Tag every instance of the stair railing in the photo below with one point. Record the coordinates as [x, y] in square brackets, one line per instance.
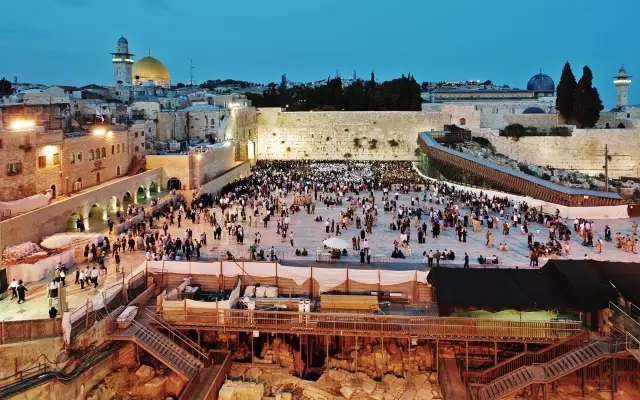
[201, 353]
[527, 358]
[160, 339]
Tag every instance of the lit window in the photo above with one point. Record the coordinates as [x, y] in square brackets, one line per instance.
[90, 155]
[56, 159]
[79, 157]
[104, 153]
[72, 158]
[97, 154]
[113, 149]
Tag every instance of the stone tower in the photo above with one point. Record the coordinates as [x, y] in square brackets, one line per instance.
[622, 82]
[122, 63]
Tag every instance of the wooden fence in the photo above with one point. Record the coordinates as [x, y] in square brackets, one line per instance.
[20, 331]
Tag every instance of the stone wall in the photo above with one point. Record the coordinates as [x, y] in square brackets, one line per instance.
[45, 221]
[193, 169]
[534, 119]
[15, 357]
[343, 134]
[583, 151]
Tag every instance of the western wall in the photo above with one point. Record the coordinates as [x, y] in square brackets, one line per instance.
[348, 135]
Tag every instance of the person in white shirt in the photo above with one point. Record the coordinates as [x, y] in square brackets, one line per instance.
[53, 289]
[63, 276]
[13, 286]
[94, 277]
[82, 278]
[148, 255]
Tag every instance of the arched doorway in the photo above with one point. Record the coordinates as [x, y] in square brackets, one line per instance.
[53, 191]
[118, 171]
[98, 177]
[96, 219]
[126, 200]
[141, 194]
[72, 222]
[174, 183]
[153, 188]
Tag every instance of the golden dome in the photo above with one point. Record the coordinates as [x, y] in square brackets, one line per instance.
[150, 68]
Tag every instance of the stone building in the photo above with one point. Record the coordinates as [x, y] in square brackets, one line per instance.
[36, 160]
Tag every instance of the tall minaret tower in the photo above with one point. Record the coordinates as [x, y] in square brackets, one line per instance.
[622, 82]
[122, 63]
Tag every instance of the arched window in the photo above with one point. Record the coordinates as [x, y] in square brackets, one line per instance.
[98, 177]
[72, 157]
[90, 155]
[118, 148]
[118, 171]
[97, 154]
[104, 153]
[113, 149]
[79, 157]
[463, 121]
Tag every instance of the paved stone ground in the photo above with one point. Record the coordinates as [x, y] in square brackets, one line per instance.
[310, 234]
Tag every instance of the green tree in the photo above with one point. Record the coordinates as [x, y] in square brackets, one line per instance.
[565, 92]
[586, 101]
[5, 87]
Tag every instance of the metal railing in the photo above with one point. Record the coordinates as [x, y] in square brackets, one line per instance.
[160, 339]
[527, 358]
[200, 353]
[384, 325]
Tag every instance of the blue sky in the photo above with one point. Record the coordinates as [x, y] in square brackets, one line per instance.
[507, 41]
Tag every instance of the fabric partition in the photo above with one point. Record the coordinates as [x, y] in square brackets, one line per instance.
[396, 277]
[41, 269]
[329, 277]
[208, 305]
[260, 269]
[197, 268]
[230, 268]
[155, 266]
[298, 274]
[27, 204]
[364, 276]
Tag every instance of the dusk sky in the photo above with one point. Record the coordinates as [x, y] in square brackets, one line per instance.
[69, 41]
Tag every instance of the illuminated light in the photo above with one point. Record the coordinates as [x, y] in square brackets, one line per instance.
[227, 144]
[199, 157]
[99, 132]
[49, 150]
[110, 134]
[22, 124]
[116, 59]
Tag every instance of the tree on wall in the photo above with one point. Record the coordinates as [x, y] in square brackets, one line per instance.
[586, 101]
[565, 91]
[5, 87]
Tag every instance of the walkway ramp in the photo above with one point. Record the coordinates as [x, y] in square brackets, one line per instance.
[627, 322]
[547, 372]
[161, 347]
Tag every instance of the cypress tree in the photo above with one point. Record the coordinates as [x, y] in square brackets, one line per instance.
[586, 101]
[565, 90]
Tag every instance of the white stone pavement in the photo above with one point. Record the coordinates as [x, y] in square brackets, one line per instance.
[310, 234]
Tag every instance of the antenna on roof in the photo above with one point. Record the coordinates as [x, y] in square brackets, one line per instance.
[149, 52]
[190, 71]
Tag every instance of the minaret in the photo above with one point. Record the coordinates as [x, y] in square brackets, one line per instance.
[622, 82]
[122, 63]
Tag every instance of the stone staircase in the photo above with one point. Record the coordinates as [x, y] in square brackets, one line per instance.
[547, 372]
[161, 347]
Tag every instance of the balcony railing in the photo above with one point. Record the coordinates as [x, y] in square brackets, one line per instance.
[374, 325]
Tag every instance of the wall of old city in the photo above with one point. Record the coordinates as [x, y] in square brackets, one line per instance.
[583, 151]
[192, 170]
[33, 226]
[343, 134]
[242, 128]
